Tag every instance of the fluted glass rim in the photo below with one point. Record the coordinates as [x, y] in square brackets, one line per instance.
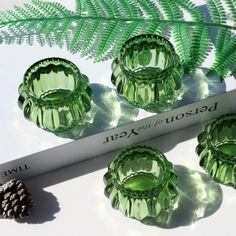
[142, 38]
[82, 81]
[157, 155]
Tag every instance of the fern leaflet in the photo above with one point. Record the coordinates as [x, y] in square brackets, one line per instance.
[182, 39]
[217, 11]
[232, 6]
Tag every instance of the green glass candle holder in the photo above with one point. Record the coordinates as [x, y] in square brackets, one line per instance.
[148, 71]
[217, 149]
[140, 182]
[55, 95]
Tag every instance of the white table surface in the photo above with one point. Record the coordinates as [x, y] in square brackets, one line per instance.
[71, 200]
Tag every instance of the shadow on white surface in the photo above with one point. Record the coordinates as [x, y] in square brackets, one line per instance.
[199, 86]
[195, 87]
[164, 143]
[168, 141]
[108, 110]
[199, 197]
[45, 205]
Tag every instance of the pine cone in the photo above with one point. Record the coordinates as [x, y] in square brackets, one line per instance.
[15, 200]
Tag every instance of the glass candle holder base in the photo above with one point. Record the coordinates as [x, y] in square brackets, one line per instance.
[148, 71]
[55, 95]
[140, 182]
[217, 149]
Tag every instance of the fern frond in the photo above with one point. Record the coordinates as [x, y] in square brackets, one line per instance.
[15, 35]
[227, 65]
[45, 8]
[100, 9]
[23, 13]
[135, 28]
[232, 6]
[78, 7]
[171, 10]
[128, 7]
[33, 12]
[182, 41]
[60, 10]
[44, 40]
[225, 52]
[98, 28]
[191, 9]
[217, 11]
[199, 46]
[63, 30]
[88, 9]
[108, 6]
[148, 10]
[47, 27]
[111, 32]
[222, 40]
[90, 38]
[78, 32]
[132, 29]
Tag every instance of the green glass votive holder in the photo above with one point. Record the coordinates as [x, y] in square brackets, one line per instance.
[140, 182]
[55, 95]
[148, 71]
[217, 149]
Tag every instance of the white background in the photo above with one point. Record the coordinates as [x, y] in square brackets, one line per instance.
[71, 200]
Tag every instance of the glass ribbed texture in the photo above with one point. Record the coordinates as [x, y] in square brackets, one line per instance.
[217, 149]
[55, 95]
[140, 182]
[148, 71]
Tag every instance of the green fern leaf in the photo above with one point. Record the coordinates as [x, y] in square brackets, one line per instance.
[170, 9]
[110, 33]
[232, 6]
[63, 30]
[89, 8]
[199, 46]
[191, 9]
[44, 40]
[128, 7]
[45, 7]
[80, 27]
[109, 7]
[225, 53]
[148, 10]
[217, 11]
[59, 9]
[98, 28]
[224, 69]
[182, 39]
[47, 27]
[90, 38]
[135, 28]
[223, 37]
[132, 29]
